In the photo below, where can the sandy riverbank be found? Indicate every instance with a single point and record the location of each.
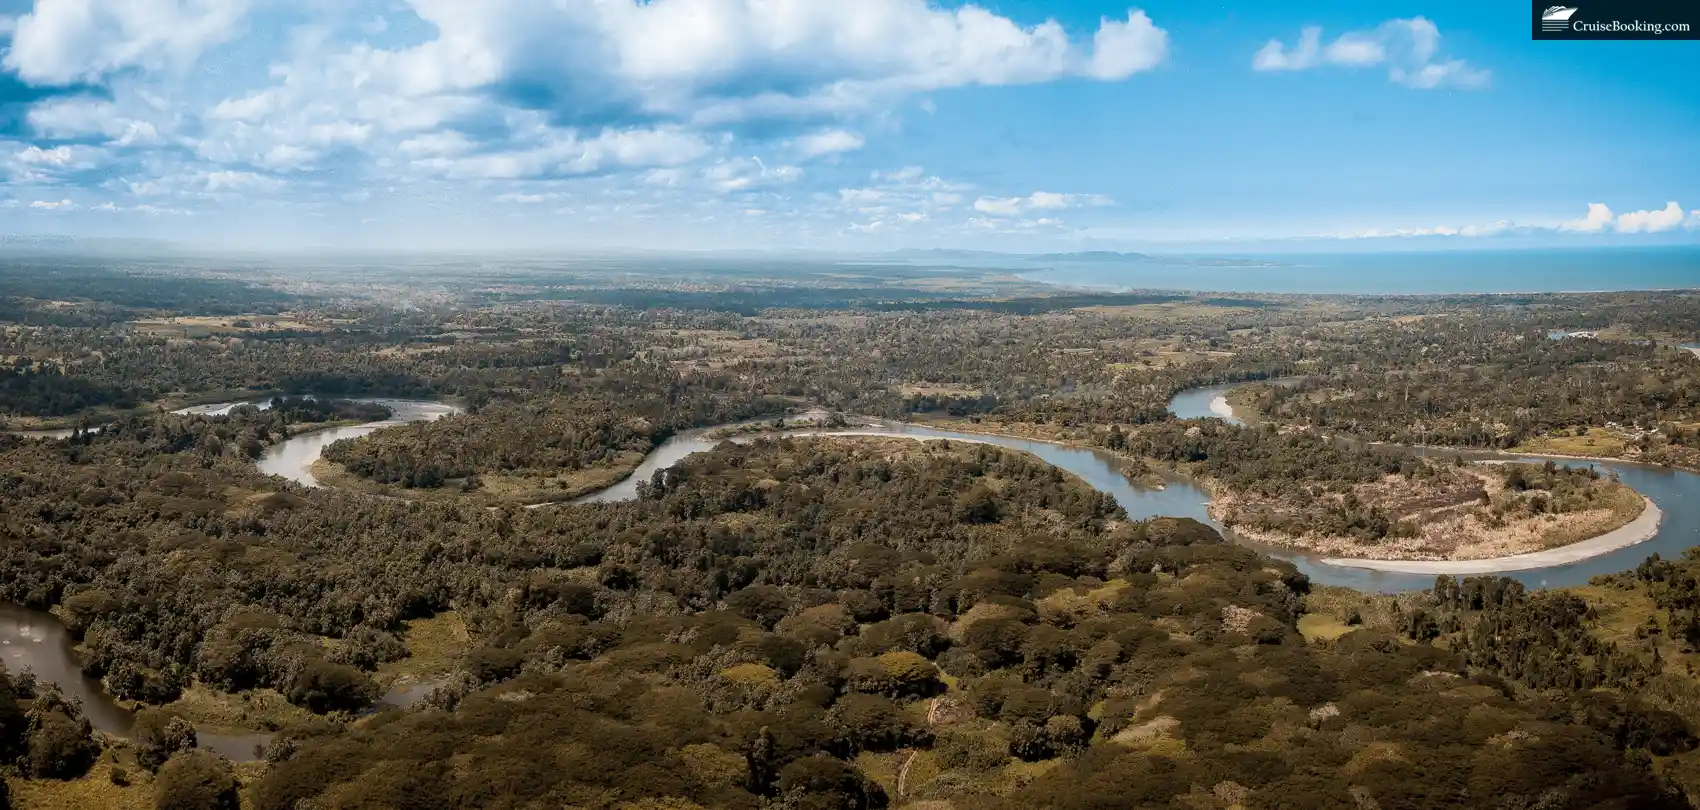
(1220, 407)
(1642, 528)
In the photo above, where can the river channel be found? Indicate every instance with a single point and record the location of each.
(37, 640)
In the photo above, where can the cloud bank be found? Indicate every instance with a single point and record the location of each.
(195, 104)
(1408, 48)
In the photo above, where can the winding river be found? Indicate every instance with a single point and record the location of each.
(37, 640)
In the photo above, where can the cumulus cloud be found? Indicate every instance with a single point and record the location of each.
(828, 142)
(1599, 219)
(899, 198)
(1037, 201)
(1121, 49)
(699, 102)
(1407, 47)
(1656, 221)
(550, 153)
(78, 117)
(50, 205)
(63, 42)
(722, 61)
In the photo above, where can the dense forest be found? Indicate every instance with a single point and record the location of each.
(609, 420)
(830, 622)
(1471, 384)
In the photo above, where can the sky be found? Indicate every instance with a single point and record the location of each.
(867, 125)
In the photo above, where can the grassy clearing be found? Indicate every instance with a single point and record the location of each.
(1593, 442)
(435, 647)
(923, 389)
(94, 790)
(194, 326)
(1338, 604)
(253, 710)
(494, 489)
(1244, 403)
(1322, 627)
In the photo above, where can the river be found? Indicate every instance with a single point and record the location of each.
(293, 459)
(1675, 492)
(38, 641)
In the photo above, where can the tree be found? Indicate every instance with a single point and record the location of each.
(977, 505)
(820, 782)
(322, 686)
(61, 741)
(196, 780)
(158, 734)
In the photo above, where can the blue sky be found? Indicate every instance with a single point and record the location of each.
(867, 125)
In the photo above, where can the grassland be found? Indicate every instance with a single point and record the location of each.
(1593, 442)
(198, 326)
(435, 646)
(518, 489)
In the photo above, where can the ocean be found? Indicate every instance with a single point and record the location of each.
(1412, 273)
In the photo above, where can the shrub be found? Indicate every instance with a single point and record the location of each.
(196, 780)
(60, 746)
(322, 686)
(158, 735)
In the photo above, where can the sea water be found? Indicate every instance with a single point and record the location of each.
(1408, 273)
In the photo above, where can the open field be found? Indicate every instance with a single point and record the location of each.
(494, 489)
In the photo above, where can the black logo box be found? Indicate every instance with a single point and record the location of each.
(1616, 19)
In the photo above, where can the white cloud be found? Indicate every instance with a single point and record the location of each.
(1450, 73)
(1037, 201)
(77, 117)
(48, 205)
(1598, 219)
(1656, 221)
(725, 61)
(551, 152)
(67, 41)
(33, 164)
(742, 174)
(240, 181)
(1407, 46)
(897, 200)
(1121, 49)
(828, 142)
